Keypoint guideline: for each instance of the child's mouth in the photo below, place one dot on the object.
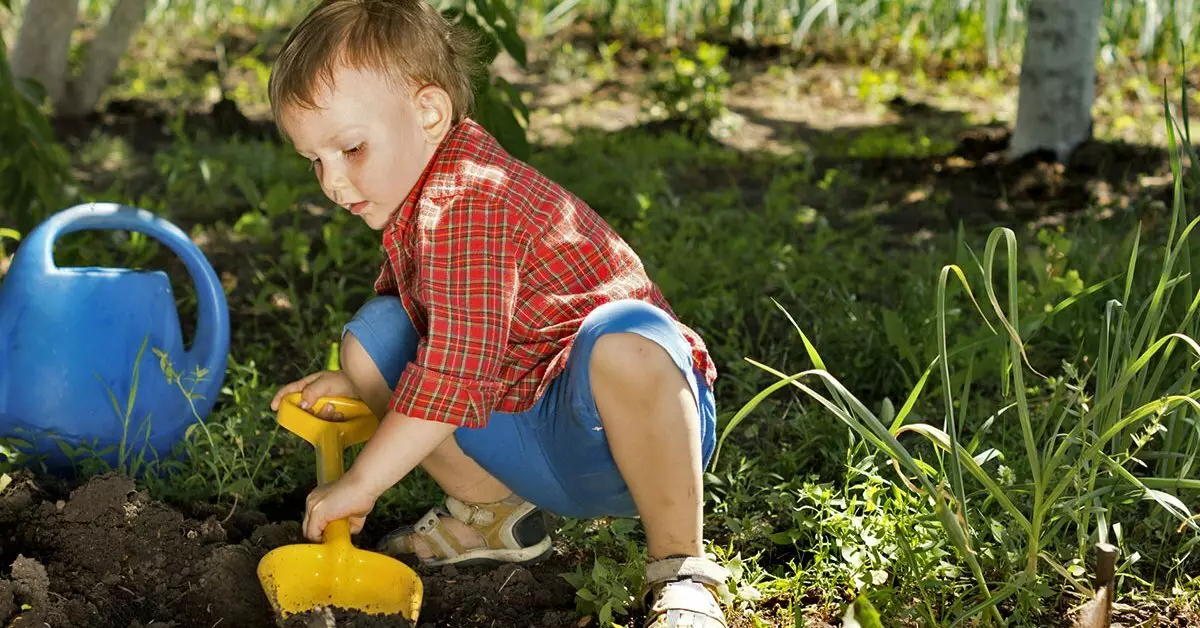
(357, 208)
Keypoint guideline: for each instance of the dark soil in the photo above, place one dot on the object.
(107, 555)
(345, 617)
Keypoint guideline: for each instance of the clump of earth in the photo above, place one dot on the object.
(344, 617)
(107, 555)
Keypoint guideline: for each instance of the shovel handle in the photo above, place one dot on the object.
(349, 407)
(330, 438)
(356, 425)
(330, 463)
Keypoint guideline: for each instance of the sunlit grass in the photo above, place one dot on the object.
(1104, 445)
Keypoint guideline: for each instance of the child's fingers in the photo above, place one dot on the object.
(329, 413)
(295, 386)
(313, 527)
(330, 384)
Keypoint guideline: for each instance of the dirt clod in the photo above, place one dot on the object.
(8, 603)
(111, 556)
(508, 595)
(30, 584)
(275, 535)
(345, 618)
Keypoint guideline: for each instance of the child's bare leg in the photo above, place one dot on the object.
(455, 472)
(650, 419)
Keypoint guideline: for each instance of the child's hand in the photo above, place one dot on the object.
(315, 386)
(340, 499)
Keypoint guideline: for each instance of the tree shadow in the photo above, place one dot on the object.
(932, 169)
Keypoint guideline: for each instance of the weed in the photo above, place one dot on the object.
(1091, 438)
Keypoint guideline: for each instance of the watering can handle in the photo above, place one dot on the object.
(212, 326)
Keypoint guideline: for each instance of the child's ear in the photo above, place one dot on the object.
(435, 112)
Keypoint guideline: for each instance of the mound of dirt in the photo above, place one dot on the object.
(107, 555)
(344, 617)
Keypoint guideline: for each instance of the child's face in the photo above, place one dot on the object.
(368, 141)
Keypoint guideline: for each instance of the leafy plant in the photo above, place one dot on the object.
(604, 591)
(690, 85)
(1088, 436)
(33, 166)
(916, 29)
(498, 104)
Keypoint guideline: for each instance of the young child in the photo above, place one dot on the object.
(516, 349)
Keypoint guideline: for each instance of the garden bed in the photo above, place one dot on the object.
(106, 555)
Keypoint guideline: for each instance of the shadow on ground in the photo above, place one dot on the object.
(961, 175)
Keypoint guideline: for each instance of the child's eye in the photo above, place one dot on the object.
(356, 150)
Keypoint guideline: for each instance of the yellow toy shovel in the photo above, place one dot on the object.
(304, 577)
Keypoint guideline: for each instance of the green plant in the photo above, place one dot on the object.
(990, 31)
(690, 85)
(608, 588)
(1089, 436)
(498, 104)
(604, 590)
(33, 166)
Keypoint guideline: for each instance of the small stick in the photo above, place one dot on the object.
(1106, 564)
(1106, 571)
(1097, 612)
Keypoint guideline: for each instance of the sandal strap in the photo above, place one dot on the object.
(470, 514)
(685, 591)
(685, 603)
(497, 522)
(441, 543)
(694, 568)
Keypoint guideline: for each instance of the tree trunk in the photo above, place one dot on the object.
(40, 52)
(1058, 73)
(103, 55)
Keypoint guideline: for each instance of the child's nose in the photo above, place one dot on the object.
(335, 183)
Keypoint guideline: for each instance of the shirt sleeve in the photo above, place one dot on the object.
(467, 278)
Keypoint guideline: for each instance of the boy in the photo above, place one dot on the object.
(516, 349)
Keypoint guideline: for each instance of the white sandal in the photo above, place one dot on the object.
(684, 591)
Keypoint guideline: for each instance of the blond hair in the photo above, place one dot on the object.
(407, 40)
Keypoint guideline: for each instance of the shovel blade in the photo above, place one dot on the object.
(304, 577)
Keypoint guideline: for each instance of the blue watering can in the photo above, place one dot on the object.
(77, 340)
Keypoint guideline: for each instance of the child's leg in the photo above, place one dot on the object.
(651, 419)
(626, 430)
(376, 346)
(640, 430)
(454, 471)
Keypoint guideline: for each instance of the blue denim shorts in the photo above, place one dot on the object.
(555, 454)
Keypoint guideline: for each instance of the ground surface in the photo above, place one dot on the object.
(106, 555)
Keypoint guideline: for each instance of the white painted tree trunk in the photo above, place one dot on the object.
(1058, 73)
(40, 52)
(103, 56)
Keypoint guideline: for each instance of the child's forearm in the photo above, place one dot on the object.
(398, 446)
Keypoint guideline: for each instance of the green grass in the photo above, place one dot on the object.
(806, 505)
(973, 411)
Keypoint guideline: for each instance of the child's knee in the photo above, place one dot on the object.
(632, 362)
(364, 374)
(635, 344)
(355, 362)
(384, 339)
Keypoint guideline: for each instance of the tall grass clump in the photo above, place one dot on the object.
(1103, 451)
(1142, 27)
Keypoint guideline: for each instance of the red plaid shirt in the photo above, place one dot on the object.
(497, 266)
